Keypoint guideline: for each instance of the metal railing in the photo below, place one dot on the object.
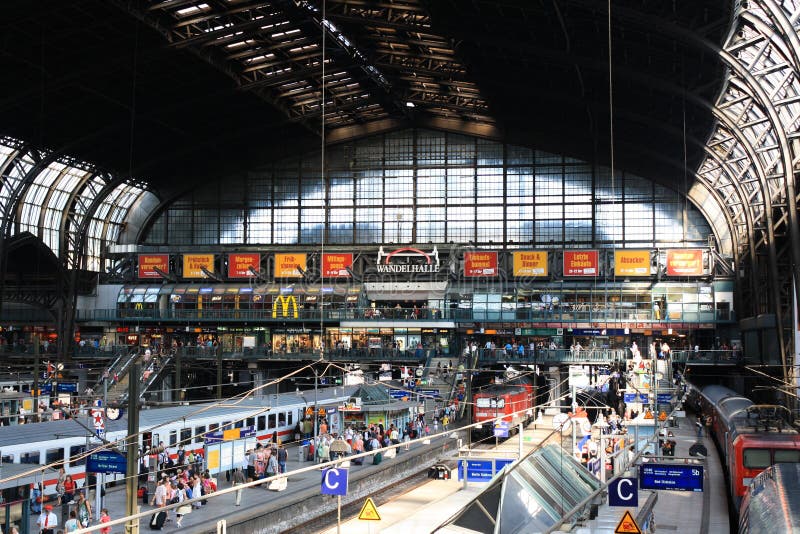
(708, 357)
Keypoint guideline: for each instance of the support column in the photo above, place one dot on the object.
(132, 478)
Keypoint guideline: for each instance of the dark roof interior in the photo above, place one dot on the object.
(177, 91)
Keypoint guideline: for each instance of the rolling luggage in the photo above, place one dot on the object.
(157, 520)
(377, 458)
(358, 461)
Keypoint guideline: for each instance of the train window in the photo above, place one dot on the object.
(251, 421)
(756, 458)
(54, 455)
(289, 418)
(787, 456)
(186, 435)
(199, 432)
(238, 424)
(262, 422)
(77, 450)
(173, 438)
(212, 427)
(226, 425)
(271, 420)
(281, 419)
(29, 458)
(7, 459)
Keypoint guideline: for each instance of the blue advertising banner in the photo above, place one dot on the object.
(671, 477)
(107, 462)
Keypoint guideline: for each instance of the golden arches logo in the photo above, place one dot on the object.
(284, 301)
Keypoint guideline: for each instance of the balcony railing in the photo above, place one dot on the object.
(382, 315)
(708, 357)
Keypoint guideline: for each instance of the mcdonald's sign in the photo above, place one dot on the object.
(284, 301)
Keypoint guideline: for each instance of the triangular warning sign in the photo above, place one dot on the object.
(369, 512)
(627, 525)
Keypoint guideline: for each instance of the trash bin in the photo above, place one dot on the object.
(302, 451)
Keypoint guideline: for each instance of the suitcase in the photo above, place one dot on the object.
(358, 461)
(377, 458)
(157, 520)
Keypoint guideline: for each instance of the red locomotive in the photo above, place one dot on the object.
(513, 401)
(751, 437)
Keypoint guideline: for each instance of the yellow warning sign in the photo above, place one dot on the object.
(369, 512)
(627, 525)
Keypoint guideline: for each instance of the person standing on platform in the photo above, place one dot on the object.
(238, 480)
(48, 521)
(105, 518)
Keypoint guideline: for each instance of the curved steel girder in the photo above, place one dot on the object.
(13, 206)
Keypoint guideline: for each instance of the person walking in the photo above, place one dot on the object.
(283, 455)
(238, 480)
(72, 523)
(84, 511)
(105, 518)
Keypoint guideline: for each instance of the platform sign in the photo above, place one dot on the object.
(643, 398)
(481, 470)
(623, 492)
(664, 398)
(671, 477)
(107, 462)
(501, 429)
(334, 481)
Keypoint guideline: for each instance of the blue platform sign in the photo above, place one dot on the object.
(623, 492)
(334, 481)
(501, 429)
(107, 462)
(671, 477)
(481, 470)
(664, 398)
(644, 398)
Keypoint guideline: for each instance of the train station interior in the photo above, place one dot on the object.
(592, 202)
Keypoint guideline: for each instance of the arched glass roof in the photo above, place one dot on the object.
(51, 198)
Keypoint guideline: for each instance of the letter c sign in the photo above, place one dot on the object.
(334, 481)
(623, 492)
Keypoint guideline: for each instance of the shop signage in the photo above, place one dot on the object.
(148, 263)
(286, 265)
(239, 265)
(537, 332)
(407, 260)
(597, 331)
(193, 265)
(287, 304)
(631, 263)
(530, 263)
(480, 264)
(335, 265)
(581, 263)
(685, 262)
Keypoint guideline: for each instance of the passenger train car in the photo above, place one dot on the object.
(66, 441)
(514, 401)
(751, 437)
(772, 502)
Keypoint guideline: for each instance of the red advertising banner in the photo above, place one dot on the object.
(335, 265)
(480, 264)
(239, 264)
(581, 263)
(149, 262)
(685, 262)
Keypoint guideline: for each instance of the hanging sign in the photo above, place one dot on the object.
(685, 262)
(631, 263)
(193, 265)
(240, 265)
(530, 263)
(480, 264)
(286, 265)
(581, 263)
(335, 265)
(148, 263)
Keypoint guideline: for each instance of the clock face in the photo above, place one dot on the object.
(113, 413)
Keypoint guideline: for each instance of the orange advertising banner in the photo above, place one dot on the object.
(239, 265)
(335, 265)
(193, 264)
(631, 263)
(685, 262)
(530, 263)
(148, 263)
(581, 263)
(480, 264)
(286, 265)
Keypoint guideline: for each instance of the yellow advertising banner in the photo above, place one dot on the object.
(530, 263)
(286, 265)
(631, 263)
(193, 264)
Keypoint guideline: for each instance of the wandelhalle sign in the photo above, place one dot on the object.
(407, 260)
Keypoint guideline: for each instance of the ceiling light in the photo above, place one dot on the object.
(410, 104)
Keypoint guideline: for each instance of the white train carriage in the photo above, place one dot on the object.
(56, 442)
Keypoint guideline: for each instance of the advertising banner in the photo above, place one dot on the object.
(286, 265)
(480, 264)
(685, 262)
(193, 263)
(581, 263)
(335, 265)
(530, 263)
(148, 263)
(631, 263)
(239, 264)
